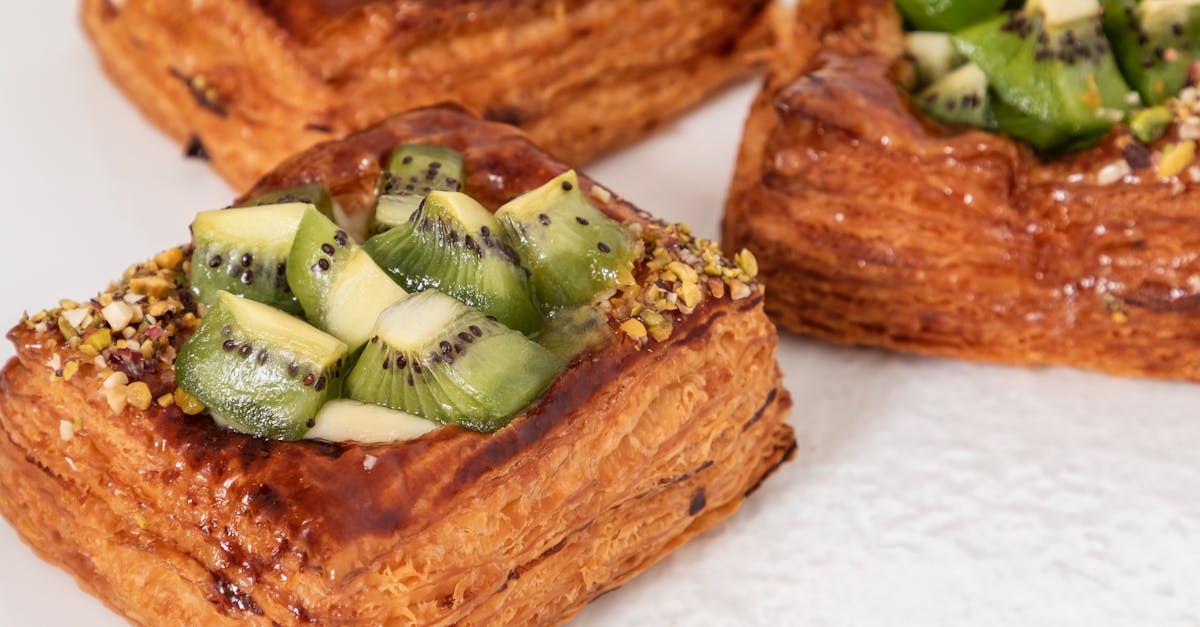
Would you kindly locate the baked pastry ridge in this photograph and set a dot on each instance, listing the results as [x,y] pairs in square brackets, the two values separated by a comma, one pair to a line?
[113,473]
[247,84]
[873,225]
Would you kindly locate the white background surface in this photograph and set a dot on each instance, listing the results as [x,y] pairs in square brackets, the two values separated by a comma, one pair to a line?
[925,492]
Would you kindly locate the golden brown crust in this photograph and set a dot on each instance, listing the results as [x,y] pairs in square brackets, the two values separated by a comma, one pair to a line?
[172,520]
[875,226]
[254,82]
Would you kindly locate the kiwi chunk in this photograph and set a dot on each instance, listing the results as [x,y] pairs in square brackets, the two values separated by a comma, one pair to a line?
[573,250]
[437,358]
[258,369]
[454,244]
[412,172]
[947,15]
[244,251]
[1051,62]
[1156,42]
[338,284]
[933,54]
[315,194]
[573,332]
[960,97]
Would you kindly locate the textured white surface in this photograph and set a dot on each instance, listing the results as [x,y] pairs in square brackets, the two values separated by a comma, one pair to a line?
[925,492]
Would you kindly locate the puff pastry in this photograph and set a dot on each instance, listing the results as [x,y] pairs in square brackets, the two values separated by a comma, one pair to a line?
[249,83]
[172,520]
[874,226]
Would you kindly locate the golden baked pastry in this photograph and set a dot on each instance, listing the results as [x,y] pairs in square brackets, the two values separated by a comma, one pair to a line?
[250,83]
[109,471]
[873,225]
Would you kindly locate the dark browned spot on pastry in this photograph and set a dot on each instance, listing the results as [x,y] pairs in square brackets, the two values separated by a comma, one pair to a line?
[508,114]
[1162,298]
[706,464]
[447,601]
[195,149]
[727,47]
[759,414]
[318,128]
[230,596]
[203,92]
[787,457]
[699,500]
[265,498]
[108,10]
[301,614]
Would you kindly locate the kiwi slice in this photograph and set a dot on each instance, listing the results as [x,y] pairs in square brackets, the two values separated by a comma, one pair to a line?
[412,172]
[572,332]
[960,97]
[947,15]
[933,54]
[573,250]
[258,369]
[437,358]
[315,194]
[1156,42]
[455,245]
[244,251]
[1051,61]
[338,284]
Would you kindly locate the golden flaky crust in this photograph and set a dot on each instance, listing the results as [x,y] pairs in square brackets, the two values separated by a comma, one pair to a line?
[173,521]
[874,226]
[253,82]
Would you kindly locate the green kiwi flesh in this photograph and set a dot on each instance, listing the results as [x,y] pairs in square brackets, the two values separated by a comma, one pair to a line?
[947,15]
[339,286]
[435,357]
[573,332]
[414,170]
[259,370]
[960,97]
[572,249]
[315,194]
[1156,42]
[244,251]
[453,244]
[1051,62]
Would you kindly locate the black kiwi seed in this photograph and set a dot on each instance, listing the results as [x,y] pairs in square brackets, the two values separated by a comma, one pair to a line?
[582,221]
[320,384]
[312,422]
[262,357]
[323,264]
[416,367]
[215,261]
[446,347]
[476,330]
[407,160]
[309,379]
[247,259]
[340,238]
[229,345]
[386,362]
[604,248]
[466,337]
[375,340]
[544,219]
[293,369]
[566,185]
[245,350]
[401,362]
[327,249]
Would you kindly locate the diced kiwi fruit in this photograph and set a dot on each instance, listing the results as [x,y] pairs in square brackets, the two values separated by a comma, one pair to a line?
[572,332]
[947,15]
[1051,62]
[414,170]
[573,250]
[339,285]
[455,245]
[244,251]
[344,420]
[960,97]
[433,356]
[259,370]
[315,194]
[1156,42]
[933,54]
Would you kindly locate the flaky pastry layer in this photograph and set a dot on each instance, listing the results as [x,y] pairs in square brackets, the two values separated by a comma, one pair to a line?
[250,83]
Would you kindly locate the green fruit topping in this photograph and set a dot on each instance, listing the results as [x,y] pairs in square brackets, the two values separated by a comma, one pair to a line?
[1050,62]
[573,250]
[412,172]
[258,369]
[933,54]
[947,15]
[960,97]
[315,194]
[339,286]
[244,251]
[1156,42]
[435,357]
[572,332]
[455,245]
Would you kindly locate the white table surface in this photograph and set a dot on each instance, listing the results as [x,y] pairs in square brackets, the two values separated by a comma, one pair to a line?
[924,492]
